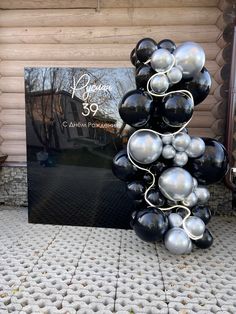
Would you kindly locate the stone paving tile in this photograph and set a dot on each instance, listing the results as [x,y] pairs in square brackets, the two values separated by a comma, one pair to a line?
[67,269]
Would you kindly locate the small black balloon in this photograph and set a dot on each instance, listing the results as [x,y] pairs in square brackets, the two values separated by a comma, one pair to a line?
[147,178]
[155,197]
[202,212]
[145,48]
[133,57]
[122,168]
[177,109]
[206,241]
[135,190]
[150,224]
[159,166]
[212,166]
[143,73]
[135,108]
[167,44]
[199,86]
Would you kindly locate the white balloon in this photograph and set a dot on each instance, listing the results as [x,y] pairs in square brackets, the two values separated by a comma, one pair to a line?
[190,57]
[196,148]
[202,194]
[168,152]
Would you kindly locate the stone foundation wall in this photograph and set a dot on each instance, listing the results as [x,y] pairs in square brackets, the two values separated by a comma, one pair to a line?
[13,191]
[13,186]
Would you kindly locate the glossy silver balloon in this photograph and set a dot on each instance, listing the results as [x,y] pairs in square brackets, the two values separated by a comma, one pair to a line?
[161,60]
[191,200]
[174,75]
[195,225]
[176,241]
[196,147]
[167,138]
[190,57]
[168,152]
[190,247]
[159,83]
[145,146]
[181,141]
[180,159]
[195,183]
[175,220]
[202,194]
[175,183]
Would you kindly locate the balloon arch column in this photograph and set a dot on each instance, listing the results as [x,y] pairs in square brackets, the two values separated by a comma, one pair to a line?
[164,168]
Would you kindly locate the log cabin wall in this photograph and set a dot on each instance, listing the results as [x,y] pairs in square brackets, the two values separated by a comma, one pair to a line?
[101,33]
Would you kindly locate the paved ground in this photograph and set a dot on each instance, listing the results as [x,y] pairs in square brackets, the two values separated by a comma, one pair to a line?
[63,269]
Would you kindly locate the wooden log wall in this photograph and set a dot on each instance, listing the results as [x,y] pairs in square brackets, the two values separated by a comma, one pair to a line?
[101,33]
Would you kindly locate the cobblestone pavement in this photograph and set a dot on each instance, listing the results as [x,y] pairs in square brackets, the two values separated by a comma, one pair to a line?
[64,269]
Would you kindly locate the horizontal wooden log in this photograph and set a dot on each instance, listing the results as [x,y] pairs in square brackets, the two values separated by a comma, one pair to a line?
[13,116]
[218,127]
[202,119]
[109,17]
[219,109]
[13,160]
[107,35]
[88,52]
[14,147]
[201,132]
[13,132]
[12,101]
[16,68]
[76,4]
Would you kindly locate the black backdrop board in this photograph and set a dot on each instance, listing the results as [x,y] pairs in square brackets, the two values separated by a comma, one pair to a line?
[73,132]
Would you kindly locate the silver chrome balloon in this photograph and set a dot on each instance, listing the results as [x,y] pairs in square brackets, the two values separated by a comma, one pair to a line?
[174,75]
[159,83]
[191,200]
[168,152]
[167,139]
[175,183]
[195,183]
[161,60]
[180,159]
[190,247]
[195,226]
[181,141]
[202,194]
[145,146]
[175,220]
[190,57]
[176,241]
[196,147]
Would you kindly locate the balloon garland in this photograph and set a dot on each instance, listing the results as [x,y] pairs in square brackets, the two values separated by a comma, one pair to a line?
[162,165]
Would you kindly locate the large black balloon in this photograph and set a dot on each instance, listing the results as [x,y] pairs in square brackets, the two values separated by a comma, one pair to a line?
[212,166]
[203,212]
[177,109]
[167,44]
[135,108]
[123,168]
[135,190]
[133,57]
[155,197]
[206,241]
[199,86]
[143,74]
[145,48]
[150,224]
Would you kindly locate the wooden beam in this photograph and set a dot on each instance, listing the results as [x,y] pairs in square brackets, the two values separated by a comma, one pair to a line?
[107,35]
[109,17]
[79,52]
[76,4]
